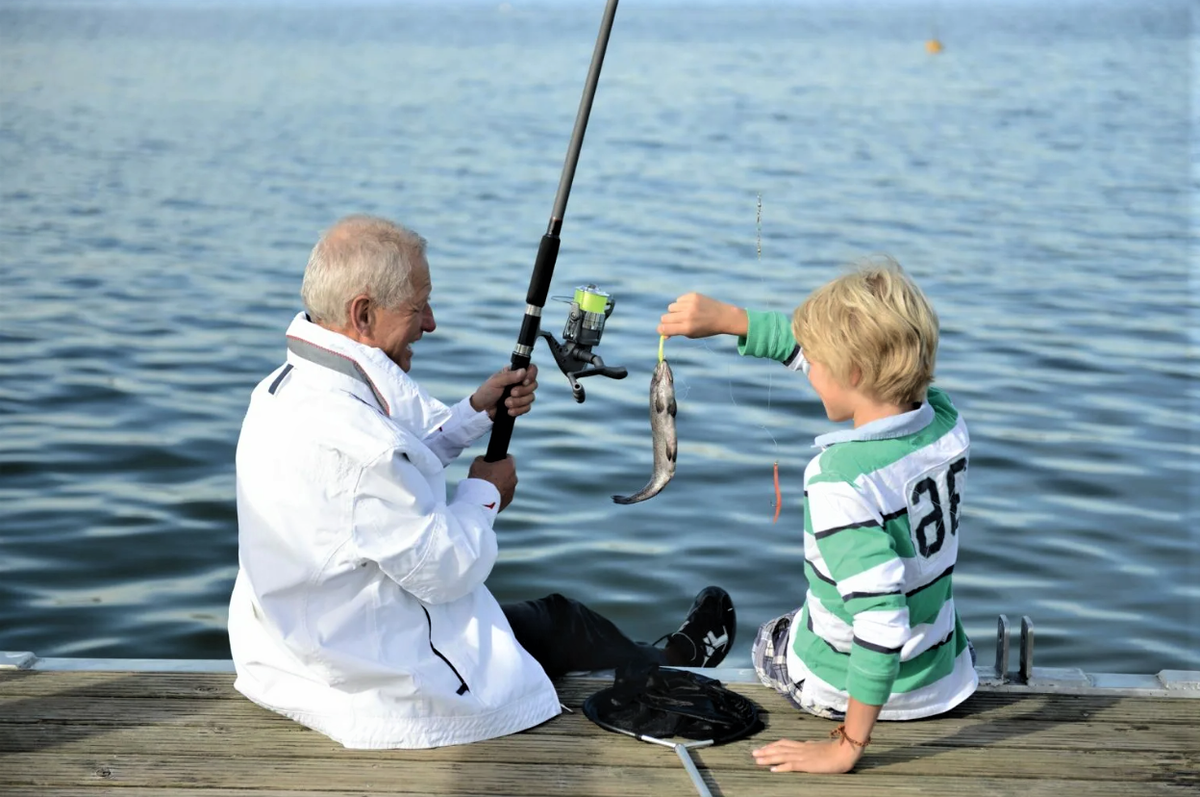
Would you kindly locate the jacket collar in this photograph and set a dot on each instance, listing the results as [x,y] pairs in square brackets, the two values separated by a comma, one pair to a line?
[366,372]
[893,426]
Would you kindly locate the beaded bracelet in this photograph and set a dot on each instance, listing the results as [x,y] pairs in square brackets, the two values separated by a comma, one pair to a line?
[840,732]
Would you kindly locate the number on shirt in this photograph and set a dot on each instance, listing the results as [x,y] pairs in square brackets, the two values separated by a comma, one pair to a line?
[932,517]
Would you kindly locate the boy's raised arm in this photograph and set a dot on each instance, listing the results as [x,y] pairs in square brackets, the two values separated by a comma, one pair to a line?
[695,315]
[759,334]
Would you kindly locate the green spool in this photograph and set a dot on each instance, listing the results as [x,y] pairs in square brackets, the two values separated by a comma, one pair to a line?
[591,300]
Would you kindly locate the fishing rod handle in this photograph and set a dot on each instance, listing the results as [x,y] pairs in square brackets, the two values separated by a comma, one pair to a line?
[502,425]
[535,300]
[539,281]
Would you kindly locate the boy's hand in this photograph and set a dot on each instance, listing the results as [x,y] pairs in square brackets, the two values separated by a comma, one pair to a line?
[695,315]
[823,758]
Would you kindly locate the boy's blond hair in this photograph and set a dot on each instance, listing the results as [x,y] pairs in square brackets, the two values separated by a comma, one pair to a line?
[875,320]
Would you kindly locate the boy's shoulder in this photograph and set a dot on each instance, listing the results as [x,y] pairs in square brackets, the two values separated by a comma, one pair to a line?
[854,460]
[849,461]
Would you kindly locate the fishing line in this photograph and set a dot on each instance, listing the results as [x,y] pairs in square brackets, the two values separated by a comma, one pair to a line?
[770,375]
[777,502]
[687,386]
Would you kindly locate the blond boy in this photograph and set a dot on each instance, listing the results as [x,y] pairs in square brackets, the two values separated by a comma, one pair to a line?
[878,636]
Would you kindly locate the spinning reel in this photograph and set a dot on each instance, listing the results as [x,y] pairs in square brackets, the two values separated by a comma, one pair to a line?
[590,308]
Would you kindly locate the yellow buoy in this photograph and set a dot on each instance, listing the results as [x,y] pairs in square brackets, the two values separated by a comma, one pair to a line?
[933,46]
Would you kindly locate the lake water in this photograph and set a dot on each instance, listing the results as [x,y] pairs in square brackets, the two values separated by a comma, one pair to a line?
[165,168]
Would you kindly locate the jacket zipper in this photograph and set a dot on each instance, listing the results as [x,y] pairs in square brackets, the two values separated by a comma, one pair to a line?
[462,683]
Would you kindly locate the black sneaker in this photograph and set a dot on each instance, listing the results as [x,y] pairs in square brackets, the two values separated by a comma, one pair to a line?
[707,633]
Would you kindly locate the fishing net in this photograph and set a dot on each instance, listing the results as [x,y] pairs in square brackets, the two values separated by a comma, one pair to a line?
[663,703]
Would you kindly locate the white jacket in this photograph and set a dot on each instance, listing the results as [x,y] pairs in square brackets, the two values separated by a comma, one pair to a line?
[360,608]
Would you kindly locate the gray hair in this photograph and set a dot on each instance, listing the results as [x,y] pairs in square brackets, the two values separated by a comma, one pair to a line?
[357,255]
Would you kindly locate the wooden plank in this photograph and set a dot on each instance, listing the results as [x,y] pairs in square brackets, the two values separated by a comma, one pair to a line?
[69,708]
[252,776]
[573,691]
[33,683]
[390,777]
[1022,726]
[158,734]
[52,767]
[1079,708]
[1131,723]
[766,785]
[291,739]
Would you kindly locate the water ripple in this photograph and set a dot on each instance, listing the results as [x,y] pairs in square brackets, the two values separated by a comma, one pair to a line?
[165,175]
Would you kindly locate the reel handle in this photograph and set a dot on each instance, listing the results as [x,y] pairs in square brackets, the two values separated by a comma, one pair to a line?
[576,362]
[611,371]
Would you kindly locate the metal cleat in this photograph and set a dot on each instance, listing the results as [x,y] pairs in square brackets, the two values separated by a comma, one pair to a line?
[1002,648]
[1026,664]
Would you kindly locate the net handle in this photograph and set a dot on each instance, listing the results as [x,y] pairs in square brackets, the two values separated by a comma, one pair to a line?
[681,750]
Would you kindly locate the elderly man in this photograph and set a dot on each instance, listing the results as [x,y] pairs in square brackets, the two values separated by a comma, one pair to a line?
[360,608]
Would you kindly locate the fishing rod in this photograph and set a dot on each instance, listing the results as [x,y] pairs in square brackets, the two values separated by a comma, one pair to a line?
[590,306]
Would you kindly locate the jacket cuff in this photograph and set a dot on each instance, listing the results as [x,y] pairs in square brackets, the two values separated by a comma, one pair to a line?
[466,425]
[481,493]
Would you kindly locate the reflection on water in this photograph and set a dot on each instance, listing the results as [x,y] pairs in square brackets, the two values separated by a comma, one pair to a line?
[165,170]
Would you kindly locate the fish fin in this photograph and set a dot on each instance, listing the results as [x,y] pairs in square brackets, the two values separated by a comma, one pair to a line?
[637,497]
[649,491]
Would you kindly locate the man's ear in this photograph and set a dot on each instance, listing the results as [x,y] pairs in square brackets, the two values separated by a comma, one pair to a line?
[855,376]
[360,314]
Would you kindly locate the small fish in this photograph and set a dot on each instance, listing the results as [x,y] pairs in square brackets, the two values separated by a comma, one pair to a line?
[662,432]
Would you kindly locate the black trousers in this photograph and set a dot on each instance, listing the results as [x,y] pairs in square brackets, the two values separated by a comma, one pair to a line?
[565,636]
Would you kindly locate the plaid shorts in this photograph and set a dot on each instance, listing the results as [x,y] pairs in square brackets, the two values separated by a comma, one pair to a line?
[770,662]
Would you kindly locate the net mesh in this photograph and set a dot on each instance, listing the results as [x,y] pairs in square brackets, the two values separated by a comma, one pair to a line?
[663,702]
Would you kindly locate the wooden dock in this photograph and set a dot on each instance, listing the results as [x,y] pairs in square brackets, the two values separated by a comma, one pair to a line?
[189,734]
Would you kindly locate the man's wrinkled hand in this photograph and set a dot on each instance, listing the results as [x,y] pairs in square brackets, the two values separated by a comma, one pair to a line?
[502,475]
[519,401]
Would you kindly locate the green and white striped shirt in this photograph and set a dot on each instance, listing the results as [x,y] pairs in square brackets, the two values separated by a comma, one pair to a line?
[881,533]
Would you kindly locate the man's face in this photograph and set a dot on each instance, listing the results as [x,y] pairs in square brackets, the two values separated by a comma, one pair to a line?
[395,329]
